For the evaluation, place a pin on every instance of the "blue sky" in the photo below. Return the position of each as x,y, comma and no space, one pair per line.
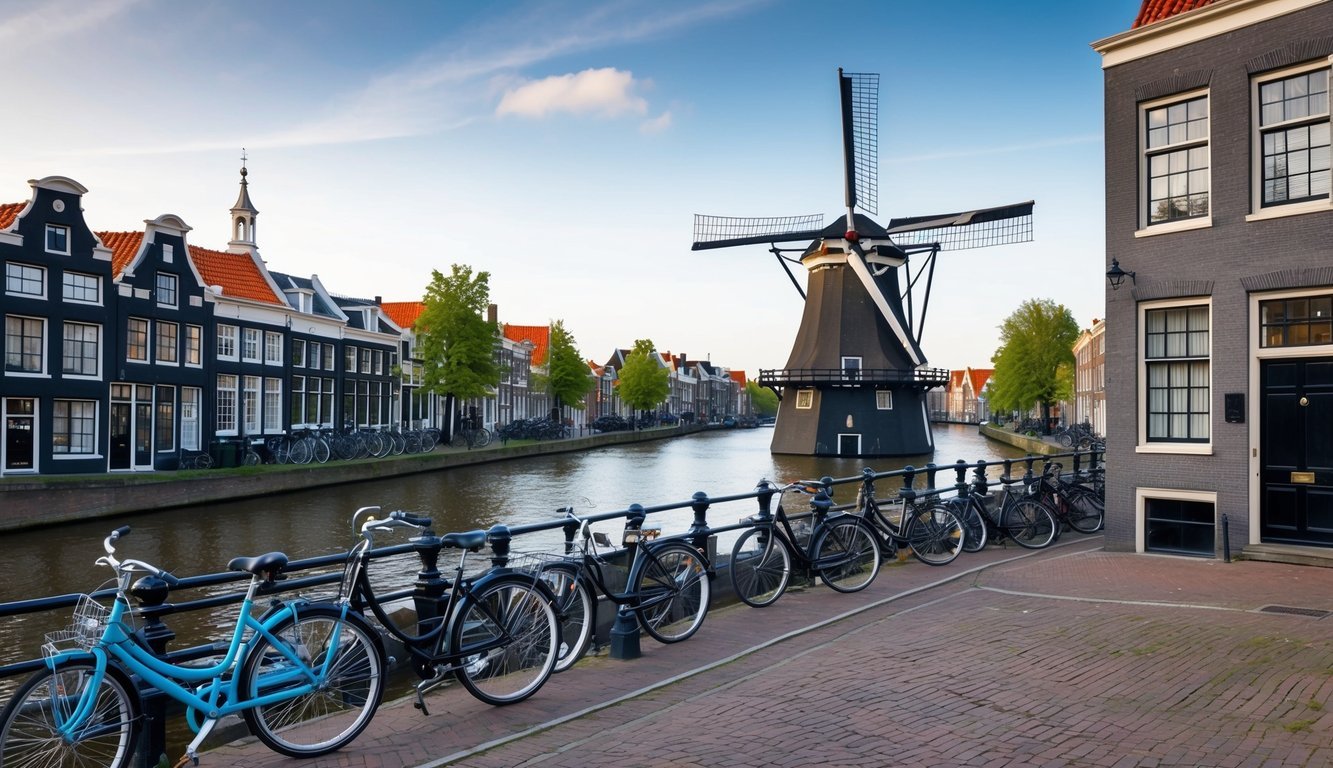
565,146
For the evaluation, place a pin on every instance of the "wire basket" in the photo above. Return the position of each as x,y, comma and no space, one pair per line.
534,561
84,630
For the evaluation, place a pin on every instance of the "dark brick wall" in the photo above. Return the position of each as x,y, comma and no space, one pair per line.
1211,261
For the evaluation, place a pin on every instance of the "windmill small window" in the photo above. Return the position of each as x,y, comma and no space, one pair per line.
884,399
805,399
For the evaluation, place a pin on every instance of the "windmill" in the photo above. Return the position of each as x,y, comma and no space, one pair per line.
856,379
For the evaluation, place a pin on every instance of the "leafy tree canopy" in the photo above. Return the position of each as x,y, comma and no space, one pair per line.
567,378
454,338
644,382
763,399
1035,361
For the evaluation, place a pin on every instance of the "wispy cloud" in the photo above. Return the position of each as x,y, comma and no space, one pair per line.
42,23
657,124
605,92
1063,141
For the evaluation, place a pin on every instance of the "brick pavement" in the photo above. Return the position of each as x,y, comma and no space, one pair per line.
1066,657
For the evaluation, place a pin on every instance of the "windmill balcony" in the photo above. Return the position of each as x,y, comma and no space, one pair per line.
922,378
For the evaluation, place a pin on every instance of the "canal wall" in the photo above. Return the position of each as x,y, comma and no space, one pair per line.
1034,445
48,500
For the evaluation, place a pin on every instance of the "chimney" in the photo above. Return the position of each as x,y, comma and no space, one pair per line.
492,314
379,300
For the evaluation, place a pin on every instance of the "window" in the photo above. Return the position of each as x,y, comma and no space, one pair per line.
272,405
227,403
166,289
80,354
167,342
1176,359
315,352
349,359
165,423
136,339
325,403
25,338
298,353
250,404
86,289
1296,322
1293,138
329,354
250,345
227,342
168,254
194,345
298,401
851,368
25,280
73,427
805,399
272,348
365,360
1175,159
57,239
191,397
379,362
884,399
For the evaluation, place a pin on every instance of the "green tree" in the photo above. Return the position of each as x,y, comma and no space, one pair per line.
566,378
1035,362
644,382
455,340
763,399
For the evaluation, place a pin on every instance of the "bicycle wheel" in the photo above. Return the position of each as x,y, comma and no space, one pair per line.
251,458
974,528
203,461
760,567
672,591
338,709
1029,523
576,611
281,450
1085,511
458,442
300,452
321,450
846,553
30,737
481,438
513,627
935,534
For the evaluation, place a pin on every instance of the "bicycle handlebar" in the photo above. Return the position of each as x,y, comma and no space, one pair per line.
410,519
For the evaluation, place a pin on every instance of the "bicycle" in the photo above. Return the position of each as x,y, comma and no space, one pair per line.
470,438
306,677
495,633
187,459
929,527
1018,516
667,586
843,550
1077,505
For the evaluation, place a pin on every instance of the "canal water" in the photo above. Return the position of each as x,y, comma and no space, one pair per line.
202,539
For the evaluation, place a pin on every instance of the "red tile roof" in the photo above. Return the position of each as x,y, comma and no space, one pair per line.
739,378
9,212
1159,10
979,378
124,247
403,313
539,335
237,273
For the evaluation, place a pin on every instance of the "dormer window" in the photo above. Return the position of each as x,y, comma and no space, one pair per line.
57,239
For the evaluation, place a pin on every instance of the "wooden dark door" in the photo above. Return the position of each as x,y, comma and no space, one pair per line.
1296,451
120,436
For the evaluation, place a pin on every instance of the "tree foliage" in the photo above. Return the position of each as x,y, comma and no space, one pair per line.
567,378
455,340
763,399
1035,361
644,381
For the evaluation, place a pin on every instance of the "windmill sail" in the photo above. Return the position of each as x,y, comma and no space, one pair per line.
726,231
970,229
860,139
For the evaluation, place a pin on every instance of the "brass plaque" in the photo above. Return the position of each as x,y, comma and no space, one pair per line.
1302,477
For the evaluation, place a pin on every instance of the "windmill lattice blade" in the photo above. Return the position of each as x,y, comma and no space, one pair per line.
723,231
865,139
970,229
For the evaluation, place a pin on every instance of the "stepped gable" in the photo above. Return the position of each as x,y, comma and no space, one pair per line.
124,247
1153,11
9,212
237,273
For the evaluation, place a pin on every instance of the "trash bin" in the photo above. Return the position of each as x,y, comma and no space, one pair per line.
224,454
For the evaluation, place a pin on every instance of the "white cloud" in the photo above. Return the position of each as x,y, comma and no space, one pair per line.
606,92
657,124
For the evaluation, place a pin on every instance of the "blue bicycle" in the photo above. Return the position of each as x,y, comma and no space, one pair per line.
306,677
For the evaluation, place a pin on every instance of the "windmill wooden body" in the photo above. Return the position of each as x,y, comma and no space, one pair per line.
856,380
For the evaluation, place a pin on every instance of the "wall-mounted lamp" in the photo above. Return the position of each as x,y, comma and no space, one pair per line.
1116,276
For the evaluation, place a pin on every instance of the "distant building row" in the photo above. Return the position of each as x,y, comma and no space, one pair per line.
123,349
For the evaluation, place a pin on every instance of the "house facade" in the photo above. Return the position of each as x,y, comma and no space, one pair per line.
1089,406
1219,361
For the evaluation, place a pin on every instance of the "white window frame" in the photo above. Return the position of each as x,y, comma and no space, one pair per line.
226,342
272,348
884,399
189,416
250,388
1259,211
251,349
42,366
805,399
95,357
227,400
168,254
1141,414
68,283
1141,497
87,446
54,229
27,273
272,405
166,290
1147,228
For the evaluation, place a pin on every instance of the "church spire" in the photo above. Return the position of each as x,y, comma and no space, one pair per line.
243,215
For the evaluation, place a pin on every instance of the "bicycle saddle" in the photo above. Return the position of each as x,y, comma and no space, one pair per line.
268,565
469,540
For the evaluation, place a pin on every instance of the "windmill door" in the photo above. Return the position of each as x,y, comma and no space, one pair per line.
1296,451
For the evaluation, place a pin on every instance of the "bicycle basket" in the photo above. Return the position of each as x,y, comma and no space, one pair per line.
534,561
83,632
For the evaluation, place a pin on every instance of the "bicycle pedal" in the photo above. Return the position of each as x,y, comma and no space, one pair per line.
420,703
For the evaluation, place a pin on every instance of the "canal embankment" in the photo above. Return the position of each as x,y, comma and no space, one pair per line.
31,502
1033,445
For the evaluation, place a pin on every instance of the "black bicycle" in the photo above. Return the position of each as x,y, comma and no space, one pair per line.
1016,515
1074,503
841,549
925,524
495,633
667,586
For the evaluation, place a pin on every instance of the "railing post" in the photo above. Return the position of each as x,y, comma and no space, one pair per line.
931,469
625,631
907,494
151,594
960,480
701,538
499,538
429,586
766,491
979,481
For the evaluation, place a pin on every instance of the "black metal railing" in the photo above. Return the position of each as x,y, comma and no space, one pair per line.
921,378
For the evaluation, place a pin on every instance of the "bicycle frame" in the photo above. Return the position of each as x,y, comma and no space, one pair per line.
779,524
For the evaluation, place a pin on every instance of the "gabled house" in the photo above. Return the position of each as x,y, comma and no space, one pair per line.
1090,377
1219,299
966,401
